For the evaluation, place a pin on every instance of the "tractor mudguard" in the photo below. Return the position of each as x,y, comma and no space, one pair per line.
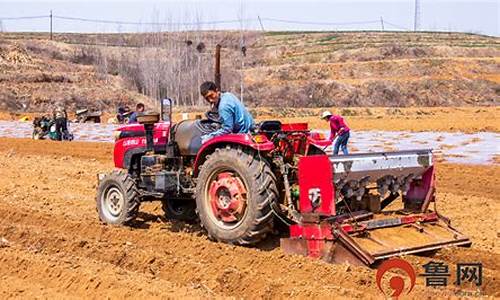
237,139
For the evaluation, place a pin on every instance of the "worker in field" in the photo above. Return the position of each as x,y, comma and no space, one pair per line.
233,115
139,108
339,130
61,121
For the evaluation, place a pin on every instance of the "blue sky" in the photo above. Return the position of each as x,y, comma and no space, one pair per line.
445,15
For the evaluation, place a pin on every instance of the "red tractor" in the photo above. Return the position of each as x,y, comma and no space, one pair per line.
241,186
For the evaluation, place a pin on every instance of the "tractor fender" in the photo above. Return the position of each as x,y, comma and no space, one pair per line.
236,139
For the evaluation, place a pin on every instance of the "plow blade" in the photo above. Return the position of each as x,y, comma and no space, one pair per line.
369,242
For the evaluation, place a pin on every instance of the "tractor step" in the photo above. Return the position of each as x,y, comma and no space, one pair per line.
370,241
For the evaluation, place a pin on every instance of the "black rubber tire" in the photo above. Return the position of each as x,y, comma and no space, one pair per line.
179,209
37,134
123,183
260,184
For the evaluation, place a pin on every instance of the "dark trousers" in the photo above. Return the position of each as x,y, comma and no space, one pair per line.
61,127
341,143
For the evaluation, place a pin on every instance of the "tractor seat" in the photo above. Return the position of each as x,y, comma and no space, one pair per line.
271,126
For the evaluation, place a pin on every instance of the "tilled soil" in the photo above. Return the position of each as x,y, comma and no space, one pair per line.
55,246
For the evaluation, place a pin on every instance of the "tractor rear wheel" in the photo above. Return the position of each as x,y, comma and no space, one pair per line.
234,192
117,198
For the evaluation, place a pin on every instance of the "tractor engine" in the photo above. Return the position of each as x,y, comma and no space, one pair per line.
155,177
158,173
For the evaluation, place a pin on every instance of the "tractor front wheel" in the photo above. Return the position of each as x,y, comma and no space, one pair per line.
117,198
234,192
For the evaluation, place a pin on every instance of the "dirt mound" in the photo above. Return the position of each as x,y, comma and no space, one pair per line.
58,248
15,54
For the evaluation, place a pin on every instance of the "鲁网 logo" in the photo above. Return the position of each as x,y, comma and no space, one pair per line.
396,282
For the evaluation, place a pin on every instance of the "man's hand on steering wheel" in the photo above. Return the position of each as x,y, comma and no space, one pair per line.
213,116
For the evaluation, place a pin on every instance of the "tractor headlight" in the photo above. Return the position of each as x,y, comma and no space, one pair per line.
116,134
259,139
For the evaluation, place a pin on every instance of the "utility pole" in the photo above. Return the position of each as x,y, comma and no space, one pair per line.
261,25
51,24
382,23
416,22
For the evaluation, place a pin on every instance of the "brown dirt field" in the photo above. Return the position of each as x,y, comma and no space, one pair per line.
57,248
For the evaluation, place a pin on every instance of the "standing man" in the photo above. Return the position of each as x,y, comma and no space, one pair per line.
133,116
338,129
61,120
233,115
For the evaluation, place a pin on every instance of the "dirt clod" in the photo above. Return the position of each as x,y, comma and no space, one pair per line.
4,243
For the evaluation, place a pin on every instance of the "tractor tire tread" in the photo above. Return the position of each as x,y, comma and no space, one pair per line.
132,194
264,191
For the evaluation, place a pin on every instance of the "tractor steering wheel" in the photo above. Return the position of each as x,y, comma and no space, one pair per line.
212,116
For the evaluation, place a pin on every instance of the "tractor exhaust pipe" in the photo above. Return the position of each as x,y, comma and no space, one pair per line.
148,119
217,66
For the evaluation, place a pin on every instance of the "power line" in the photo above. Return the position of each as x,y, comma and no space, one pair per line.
320,23
24,18
396,26
258,20
150,23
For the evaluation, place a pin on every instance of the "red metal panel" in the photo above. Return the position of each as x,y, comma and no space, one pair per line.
419,192
315,172
326,231
315,247
296,231
312,231
294,127
160,136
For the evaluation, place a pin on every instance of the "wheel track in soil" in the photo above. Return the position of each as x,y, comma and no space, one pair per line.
59,275
50,235
133,251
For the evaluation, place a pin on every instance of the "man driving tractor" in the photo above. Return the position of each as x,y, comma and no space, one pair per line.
233,115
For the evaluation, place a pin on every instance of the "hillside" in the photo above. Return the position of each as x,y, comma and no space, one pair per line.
377,69
280,69
32,78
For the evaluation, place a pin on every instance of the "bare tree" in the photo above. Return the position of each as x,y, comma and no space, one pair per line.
173,58
241,18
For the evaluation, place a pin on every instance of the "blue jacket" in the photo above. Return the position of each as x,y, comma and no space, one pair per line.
234,117
132,118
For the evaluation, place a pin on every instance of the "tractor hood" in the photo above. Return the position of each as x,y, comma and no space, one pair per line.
137,130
